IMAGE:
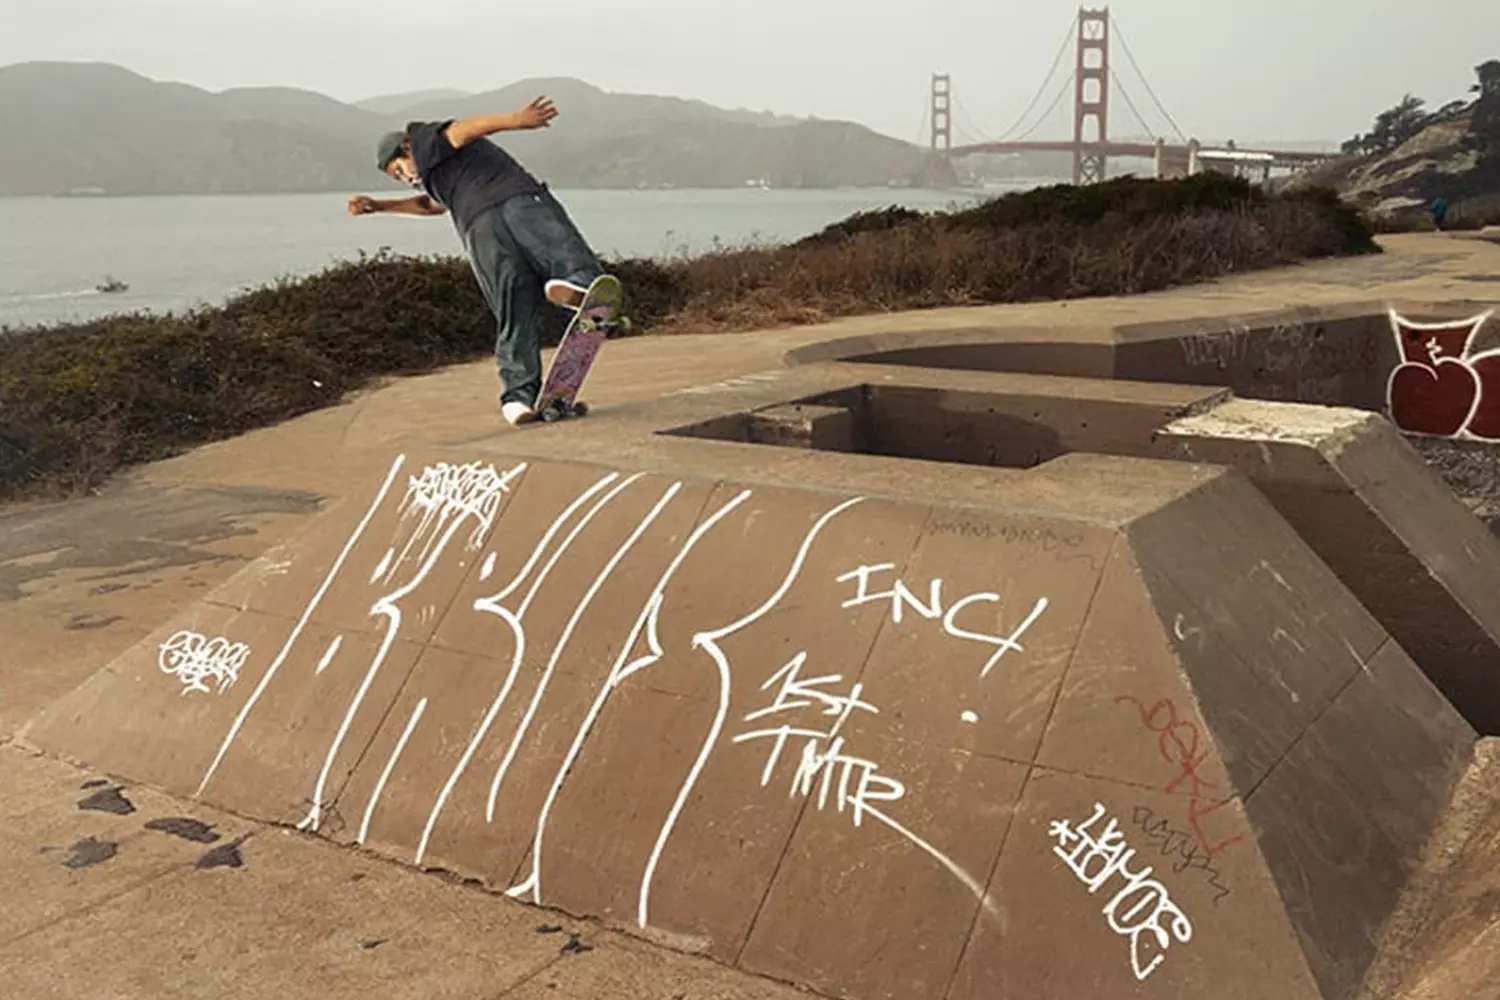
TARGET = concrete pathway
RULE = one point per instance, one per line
(123, 893)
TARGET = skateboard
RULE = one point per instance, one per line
(594, 321)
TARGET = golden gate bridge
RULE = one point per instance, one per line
(1092, 82)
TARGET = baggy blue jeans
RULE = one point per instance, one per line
(514, 249)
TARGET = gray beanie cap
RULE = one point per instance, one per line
(388, 149)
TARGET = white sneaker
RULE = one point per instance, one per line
(564, 293)
(516, 414)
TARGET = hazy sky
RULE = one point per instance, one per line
(1243, 69)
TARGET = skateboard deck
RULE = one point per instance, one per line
(591, 325)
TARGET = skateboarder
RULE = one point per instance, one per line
(522, 245)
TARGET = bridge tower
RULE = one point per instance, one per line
(1091, 97)
(942, 120)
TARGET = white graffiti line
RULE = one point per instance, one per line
(621, 668)
(815, 764)
(709, 643)
(193, 658)
(388, 607)
(333, 650)
(445, 491)
(969, 881)
(1474, 323)
(513, 621)
(307, 612)
(793, 686)
(901, 596)
(818, 766)
(545, 681)
(543, 684)
(1113, 857)
(390, 765)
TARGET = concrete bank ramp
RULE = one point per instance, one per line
(1133, 741)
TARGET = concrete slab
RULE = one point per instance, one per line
(72, 841)
(205, 676)
(194, 903)
(620, 967)
(82, 582)
(1382, 520)
(800, 710)
(1149, 922)
(340, 931)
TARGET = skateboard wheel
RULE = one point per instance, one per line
(549, 414)
(580, 409)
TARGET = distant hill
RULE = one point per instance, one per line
(95, 125)
(602, 139)
(395, 104)
(98, 125)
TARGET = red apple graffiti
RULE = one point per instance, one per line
(1435, 390)
(1424, 345)
(1437, 400)
(1485, 423)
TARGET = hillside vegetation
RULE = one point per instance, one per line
(95, 125)
(1412, 156)
(83, 401)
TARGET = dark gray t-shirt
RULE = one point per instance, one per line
(468, 180)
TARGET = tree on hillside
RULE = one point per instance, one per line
(1392, 127)
(1489, 78)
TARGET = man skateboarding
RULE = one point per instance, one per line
(522, 245)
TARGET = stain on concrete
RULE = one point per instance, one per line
(370, 944)
(1479, 277)
(549, 929)
(132, 529)
(88, 622)
(109, 800)
(575, 946)
(224, 856)
(95, 783)
(89, 852)
(108, 588)
(188, 829)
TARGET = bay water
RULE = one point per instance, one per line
(182, 251)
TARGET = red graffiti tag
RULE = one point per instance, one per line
(1442, 386)
(1177, 742)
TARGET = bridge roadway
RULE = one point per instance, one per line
(1143, 150)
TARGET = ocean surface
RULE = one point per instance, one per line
(179, 252)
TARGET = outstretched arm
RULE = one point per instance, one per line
(419, 205)
(538, 114)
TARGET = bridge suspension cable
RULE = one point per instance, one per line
(1115, 27)
(1068, 82)
(1120, 85)
(965, 123)
(1061, 51)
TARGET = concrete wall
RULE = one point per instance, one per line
(883, 748)
(1336, 356)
